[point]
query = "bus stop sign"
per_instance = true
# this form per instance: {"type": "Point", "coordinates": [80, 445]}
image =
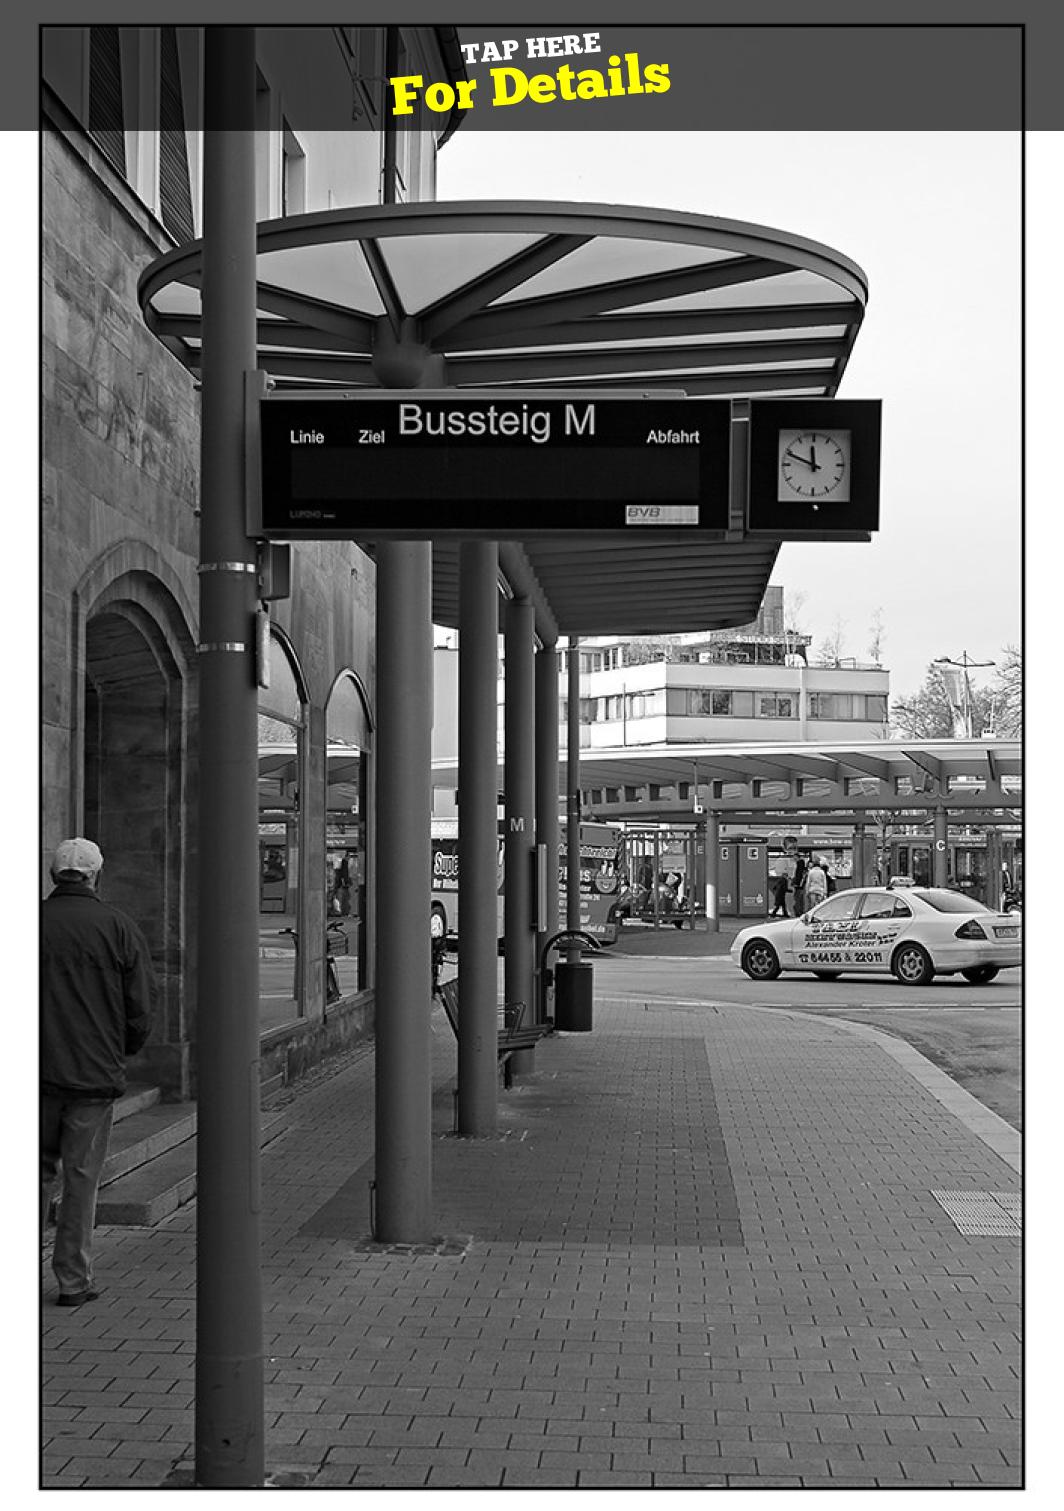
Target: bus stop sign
{"type": "Point", "coordinates": [513, 464]}
{"type": "Point", "coordinates": [501, 465]}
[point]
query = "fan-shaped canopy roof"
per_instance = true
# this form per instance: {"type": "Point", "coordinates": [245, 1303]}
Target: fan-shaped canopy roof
{"type": "Point", "coordinates": [550, 296]}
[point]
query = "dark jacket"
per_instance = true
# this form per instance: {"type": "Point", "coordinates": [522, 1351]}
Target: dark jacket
{"type": "Point", "coordinates": [97, 992]}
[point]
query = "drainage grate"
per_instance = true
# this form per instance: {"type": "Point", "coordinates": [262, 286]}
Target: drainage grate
{"type": "Point", "coordinates": [983, 1214]}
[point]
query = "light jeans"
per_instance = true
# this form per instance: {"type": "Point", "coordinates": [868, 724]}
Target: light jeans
{"type": "Point", "coordinates": [74, 1132]}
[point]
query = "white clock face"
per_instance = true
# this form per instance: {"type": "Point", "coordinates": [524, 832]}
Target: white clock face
{"type": "Point", "coordinates": [814, 465]}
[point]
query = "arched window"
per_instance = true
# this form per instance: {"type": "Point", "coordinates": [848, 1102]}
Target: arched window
{"type": "Point", "coordinates": [348, 737]}
{"type": "Point", "coordinates": [282, 721]}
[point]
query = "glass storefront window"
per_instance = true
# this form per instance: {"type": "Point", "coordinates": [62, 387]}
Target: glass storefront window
{"type": "Point", "coordinates": [281, 724]}
{"type": "Point", "coordinates": [347, 745]}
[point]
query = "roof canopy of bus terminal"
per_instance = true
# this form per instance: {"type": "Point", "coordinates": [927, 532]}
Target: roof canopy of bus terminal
{"type": "Point", "coordinates": [974, 781]}
{"type": "Point", "coordinates": [555, 298]}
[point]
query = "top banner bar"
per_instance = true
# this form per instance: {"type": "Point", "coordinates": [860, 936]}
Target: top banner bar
{"type": "Point", "coordinates": [576, 77]}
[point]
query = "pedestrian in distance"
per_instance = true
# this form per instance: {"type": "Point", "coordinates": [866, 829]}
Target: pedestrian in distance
{"type": "Point", "coordinates": [798, 885]}
{"type": "Point", "coordinates": [97, 994]}
{"type": "Point", "coordinates": [816, 884]}
{"type": "Point", "coordinates": [779, 895]}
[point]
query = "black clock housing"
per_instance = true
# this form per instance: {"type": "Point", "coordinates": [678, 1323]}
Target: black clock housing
{"type": "Point", "coordinates": [809, 519]}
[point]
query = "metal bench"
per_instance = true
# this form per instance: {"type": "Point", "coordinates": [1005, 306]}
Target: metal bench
{"type": "Point", "coordinates": [513, 1034]}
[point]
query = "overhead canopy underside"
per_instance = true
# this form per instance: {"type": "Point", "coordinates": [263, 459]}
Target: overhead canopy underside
{"type": "Point", "coordinates": [552, 298]}
{"type": "Point", "coordinates": [985, 773]}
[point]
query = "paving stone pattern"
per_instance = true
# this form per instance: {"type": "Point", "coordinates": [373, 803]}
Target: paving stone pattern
{"type": "Point", "coordinates": [702, 1250]}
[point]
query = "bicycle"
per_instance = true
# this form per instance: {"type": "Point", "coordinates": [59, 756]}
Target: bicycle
{"type": "Point", "coordinates": [335, 927]}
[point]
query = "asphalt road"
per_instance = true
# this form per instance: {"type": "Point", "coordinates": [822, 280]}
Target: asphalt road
{"type": "Point", "coordinates": [973, 1033]}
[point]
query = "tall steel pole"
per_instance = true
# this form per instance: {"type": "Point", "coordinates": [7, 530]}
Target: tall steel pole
{"type": "Point", "coordinates": [546, 678]}
{"type": "Point", "coordinates": [572, 798]}
{"type": "Point", "coordinates": [478, 835]}
{"type": "Point", "coordinates": [403, 1062]}
{"type": "Point", "coordinates": [520, 799]}
{"type": "Point", "coordinates": [229, 1364]}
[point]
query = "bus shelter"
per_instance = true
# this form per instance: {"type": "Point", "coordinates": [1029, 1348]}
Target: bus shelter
{"type": "Point", "coordinates": [493, 297]}
{"type": "Point", "coordinates": [945, 811]}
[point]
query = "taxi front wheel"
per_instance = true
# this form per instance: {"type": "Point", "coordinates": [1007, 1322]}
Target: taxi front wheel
{"type": "Point", "coordinates": [760, 961]}
{"type": "Point", "coordinates": [912, 965]}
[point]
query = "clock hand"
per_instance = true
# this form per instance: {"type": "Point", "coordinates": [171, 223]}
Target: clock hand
{"type": "Point", "coordinates": [812, 456]}
{"type": "Point", "coordinates": [805, 461]}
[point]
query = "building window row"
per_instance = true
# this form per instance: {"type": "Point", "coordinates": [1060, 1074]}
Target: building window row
{"type": "Point", "coordinates": [730, 703]}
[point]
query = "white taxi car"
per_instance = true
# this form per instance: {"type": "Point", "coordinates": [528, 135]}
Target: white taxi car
{"type": "Point", "coordinates": [916, 933]}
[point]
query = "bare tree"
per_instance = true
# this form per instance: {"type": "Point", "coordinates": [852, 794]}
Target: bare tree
{"type": "Point", "coordinates": [877, 634]}
{"type": "Point", "coordinates": [1006, 694]}
{"type": "Point", "coordinates": [930, 713]}
{"type": "Point", "coordinates": [833, 646]}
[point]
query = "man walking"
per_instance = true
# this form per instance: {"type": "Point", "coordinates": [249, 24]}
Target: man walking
{"type": "Point", "coordinates": [97, 990]}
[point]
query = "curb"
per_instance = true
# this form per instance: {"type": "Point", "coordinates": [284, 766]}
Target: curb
{"type": "Point", "coordinates": [992, 1130]}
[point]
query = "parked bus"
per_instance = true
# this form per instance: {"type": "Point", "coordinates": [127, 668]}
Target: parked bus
{"type": "Point", "coordinates": [599, 879]}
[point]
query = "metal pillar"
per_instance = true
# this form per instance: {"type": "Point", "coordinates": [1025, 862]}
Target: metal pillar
{"type": "Point", "coordinates": [520, 784]}
{"type": "Point", "coordinates": [859, 855]}
{"type": "Point", "coordinates": [546, 745]}
{"type": "Point", "coordinates": [712, 871]}
{"type": "Point", "coordinates": [229, 1431]}
{"type": "Point", "coordinates": [403, 1120]}
{"type": "Point", "coordinates": [478, 670]}
{"type": "Point", "coordinates": [993, 867]}
{"type": "Point", "coordinates": [572, 798]}
{"type": "Point", "coordinates": [940, 850]}
{"type": "Point", "coordinates": [656, 893]}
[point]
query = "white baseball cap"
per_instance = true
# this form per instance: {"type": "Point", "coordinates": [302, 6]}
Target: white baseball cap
{"type": "Point", "coordinates": [79, 856]}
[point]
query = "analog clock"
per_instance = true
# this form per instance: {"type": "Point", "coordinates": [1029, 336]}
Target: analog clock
{"type": "Point", "coordinates": [814, 465]}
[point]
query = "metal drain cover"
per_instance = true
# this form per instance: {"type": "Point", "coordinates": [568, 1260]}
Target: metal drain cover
{"type": "Point", "coordinates": [983, 1214]}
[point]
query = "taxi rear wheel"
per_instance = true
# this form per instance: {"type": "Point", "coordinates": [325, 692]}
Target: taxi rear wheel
{"type": "Point", "coordinates": [760, 961]}
{"type": "Point", "coordinates": [979, 975]}
{"type": "Point", "coordinates": [912, 965]}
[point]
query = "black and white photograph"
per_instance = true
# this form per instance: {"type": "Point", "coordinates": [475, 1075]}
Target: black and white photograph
{"type": "Point", "coordinates": [537, 543]}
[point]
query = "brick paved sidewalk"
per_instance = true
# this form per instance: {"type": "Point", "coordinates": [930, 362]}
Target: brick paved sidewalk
{"type": "Point", "coordinates": [702, 1251]}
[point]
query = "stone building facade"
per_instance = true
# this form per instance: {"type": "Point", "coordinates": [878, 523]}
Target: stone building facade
{"type": "Point", "coordinates": [119, 553]}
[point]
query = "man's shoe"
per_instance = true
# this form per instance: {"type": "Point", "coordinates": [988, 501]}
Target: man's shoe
{"type": "Point", "coordinates": [77, 1298]}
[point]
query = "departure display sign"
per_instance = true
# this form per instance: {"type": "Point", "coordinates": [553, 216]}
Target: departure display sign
{"type": "Point", "coordinates": [503, 465]}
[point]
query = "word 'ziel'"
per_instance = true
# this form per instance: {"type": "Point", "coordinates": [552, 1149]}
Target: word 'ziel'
{"type": "Point", "coordinates": [512, 85]}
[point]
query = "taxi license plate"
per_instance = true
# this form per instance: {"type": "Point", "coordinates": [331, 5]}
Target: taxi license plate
{"type": "Point", "coordinates": [1006, 933]}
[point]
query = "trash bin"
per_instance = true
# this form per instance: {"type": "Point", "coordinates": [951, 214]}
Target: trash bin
{"type": "Point", "coordinates": [573, 996]}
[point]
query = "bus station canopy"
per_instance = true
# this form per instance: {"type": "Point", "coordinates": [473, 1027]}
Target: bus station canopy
{"type": "Point", "coordinates": [550, 298]}
{"type": "Point", "coordinates": [762, 779]}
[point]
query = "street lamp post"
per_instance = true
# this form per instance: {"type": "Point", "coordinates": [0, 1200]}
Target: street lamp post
{"type": "Point", "coordinates": [966, 664]}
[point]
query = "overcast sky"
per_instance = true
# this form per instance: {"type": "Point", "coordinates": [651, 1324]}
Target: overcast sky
{"type": "Point", "coordinates": [934, 220]}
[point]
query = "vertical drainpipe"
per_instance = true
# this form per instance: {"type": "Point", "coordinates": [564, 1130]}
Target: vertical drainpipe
{"type": "Point", "coordinates": [229, 1425]}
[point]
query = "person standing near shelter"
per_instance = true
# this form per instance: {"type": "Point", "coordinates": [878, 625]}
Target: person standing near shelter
{"type": "Point", "coordinates": [816, 884]}
{"type": "Point", "coordinates": [798, 885]}
{"type": "Point", "coordinates": [97, 991]}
